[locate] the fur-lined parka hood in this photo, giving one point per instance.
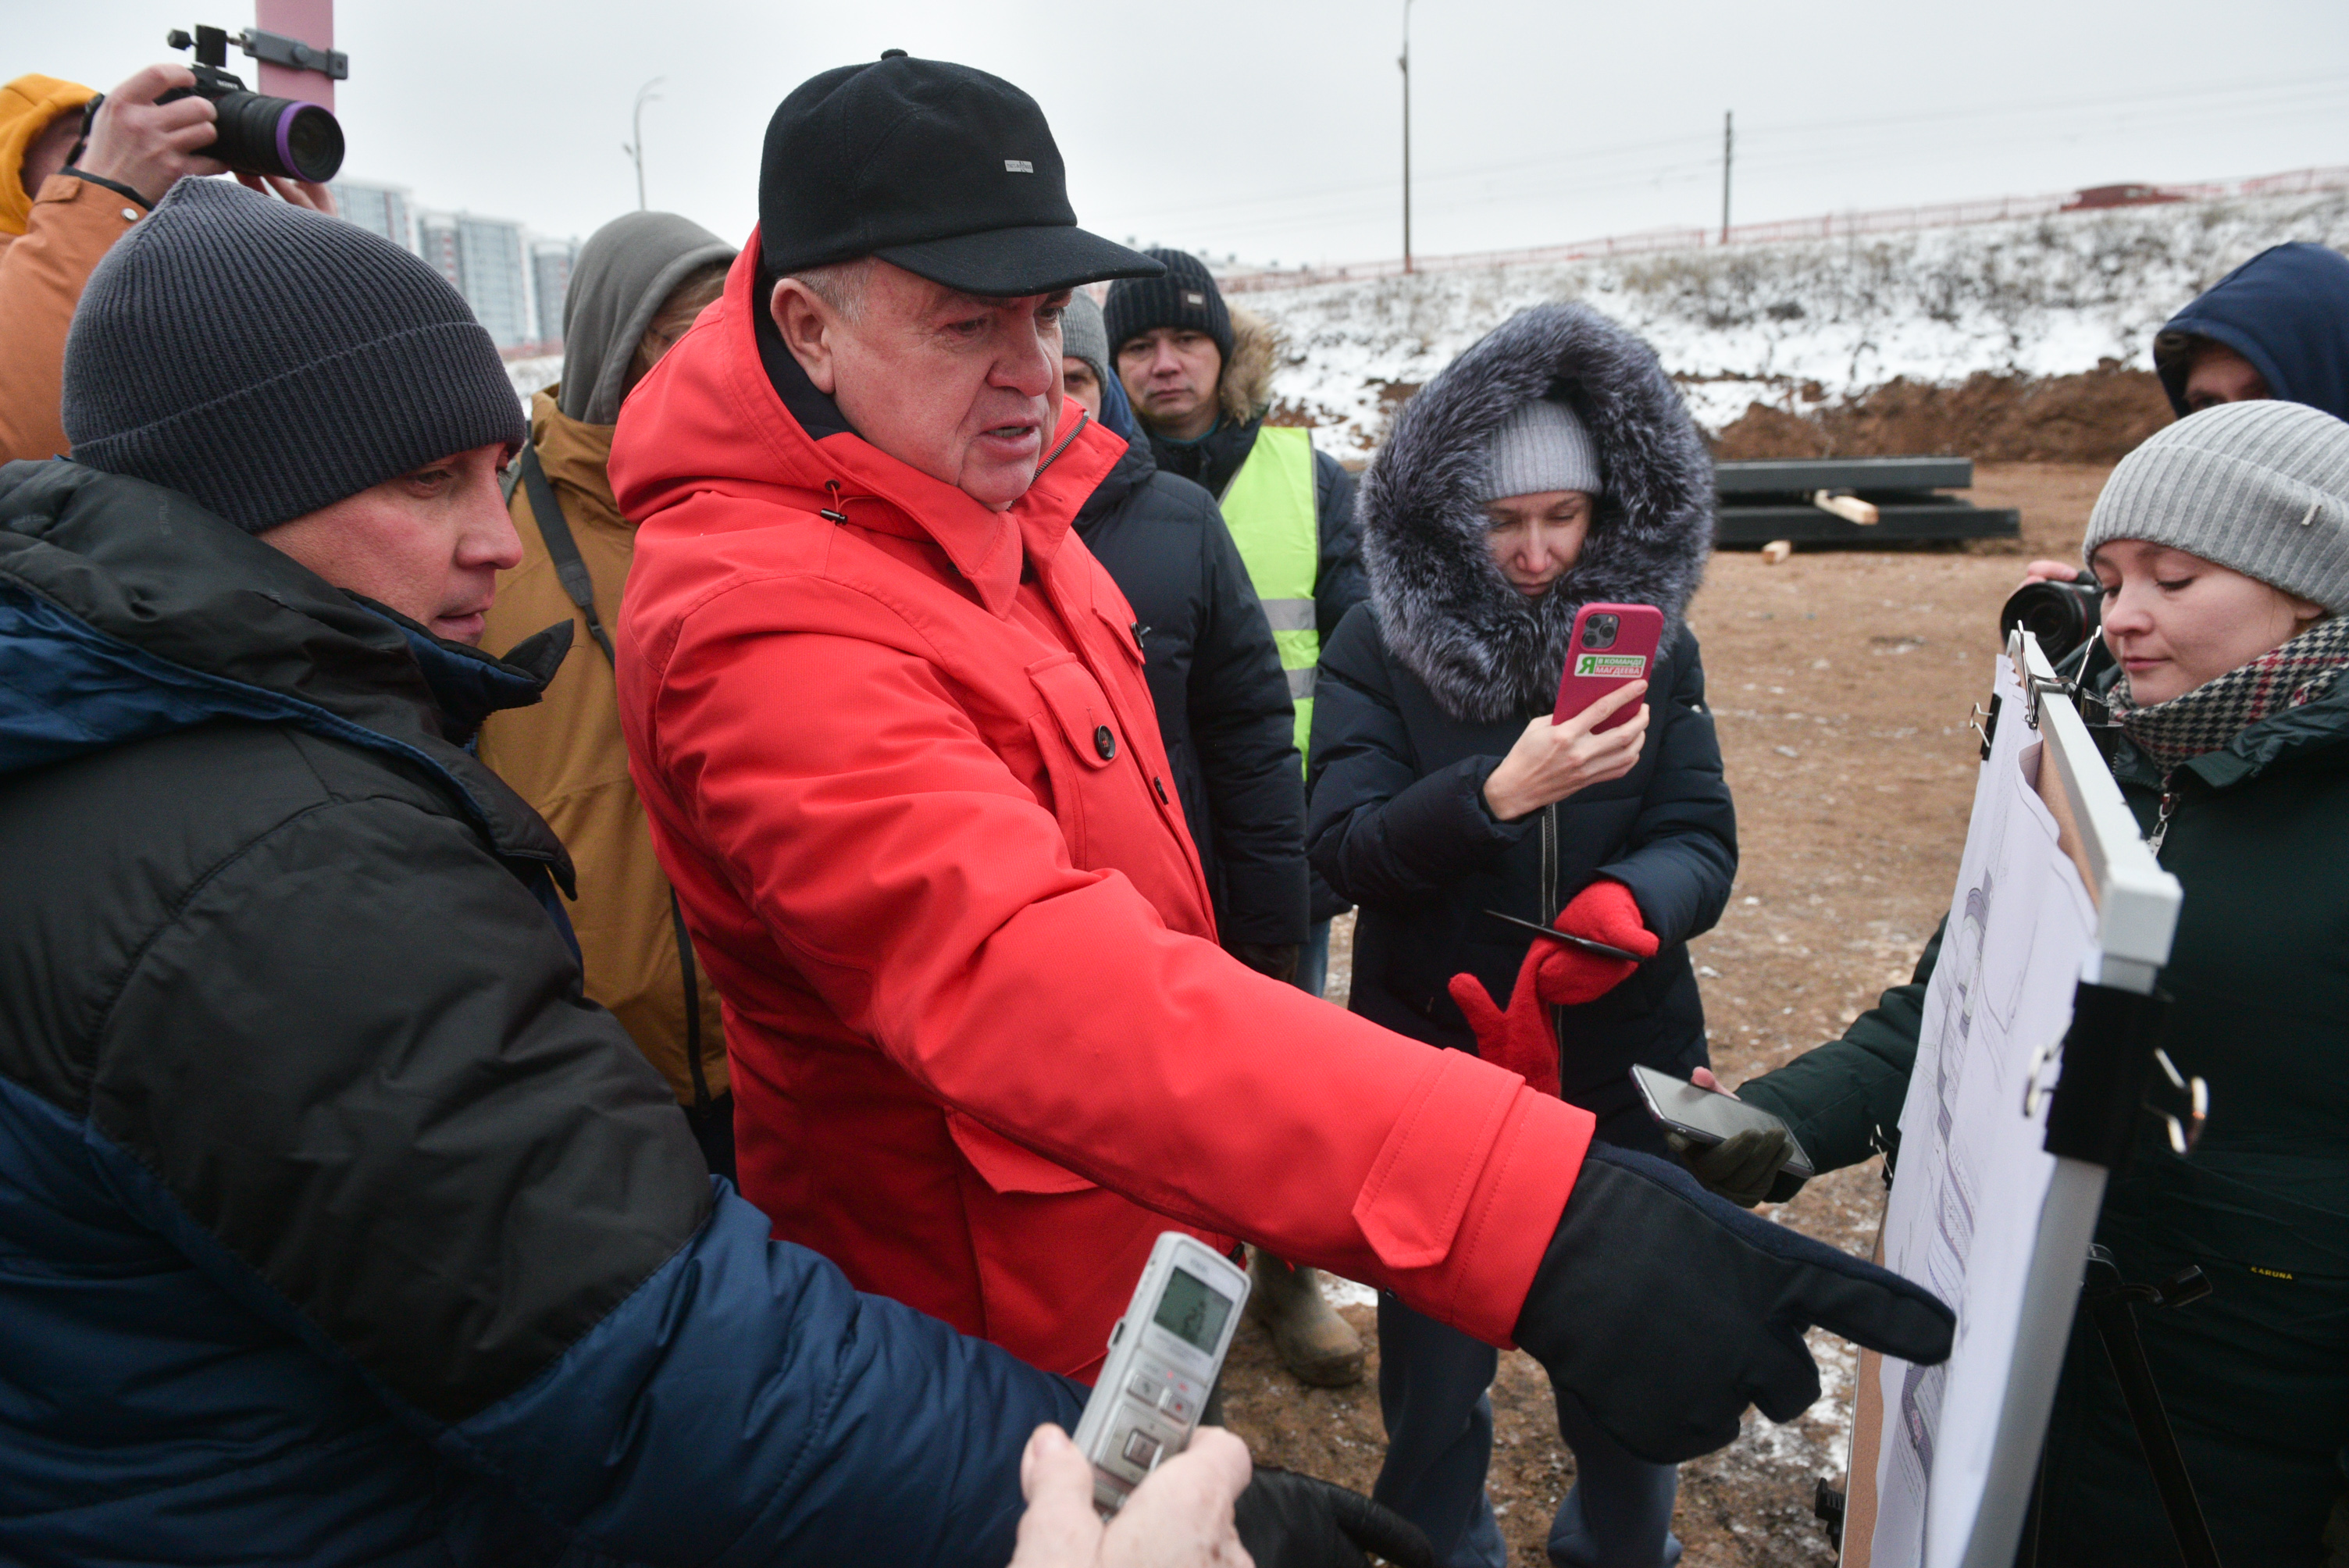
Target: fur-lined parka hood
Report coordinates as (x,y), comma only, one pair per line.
(1444,608)
(1244,391)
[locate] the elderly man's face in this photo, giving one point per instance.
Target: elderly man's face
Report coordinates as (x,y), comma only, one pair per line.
(964,389)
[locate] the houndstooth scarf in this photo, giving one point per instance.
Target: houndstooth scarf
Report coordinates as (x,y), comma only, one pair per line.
(2214,713)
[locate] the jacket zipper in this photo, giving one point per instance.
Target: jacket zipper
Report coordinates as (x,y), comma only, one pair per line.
(1549,917)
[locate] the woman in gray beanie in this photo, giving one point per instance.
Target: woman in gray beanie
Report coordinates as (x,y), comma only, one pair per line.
(1551,466)
(2222,547)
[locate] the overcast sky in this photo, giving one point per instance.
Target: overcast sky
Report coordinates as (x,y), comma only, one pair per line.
(1273,127)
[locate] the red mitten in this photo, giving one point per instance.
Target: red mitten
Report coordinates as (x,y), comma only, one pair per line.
(1519,1039)
(1603,911)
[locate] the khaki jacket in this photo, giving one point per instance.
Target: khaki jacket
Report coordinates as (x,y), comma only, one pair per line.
(42,272)
(566,757)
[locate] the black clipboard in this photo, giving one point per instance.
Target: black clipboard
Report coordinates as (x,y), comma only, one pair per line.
(1583,942)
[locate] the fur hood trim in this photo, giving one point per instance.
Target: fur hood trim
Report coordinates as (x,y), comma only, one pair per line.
(1244,391)
(1444,608)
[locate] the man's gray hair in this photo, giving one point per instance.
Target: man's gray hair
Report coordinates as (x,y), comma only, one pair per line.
(840,284)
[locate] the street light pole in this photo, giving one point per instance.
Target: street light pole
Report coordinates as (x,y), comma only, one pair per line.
(1727,143)
(636,149)
(1404,61)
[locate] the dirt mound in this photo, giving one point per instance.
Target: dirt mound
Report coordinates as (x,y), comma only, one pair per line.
(2094,416)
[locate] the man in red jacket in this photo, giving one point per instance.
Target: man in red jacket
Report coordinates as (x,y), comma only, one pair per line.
(889,722)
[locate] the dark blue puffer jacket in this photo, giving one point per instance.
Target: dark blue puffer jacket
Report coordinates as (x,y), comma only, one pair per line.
(336,1226)
(2286,310)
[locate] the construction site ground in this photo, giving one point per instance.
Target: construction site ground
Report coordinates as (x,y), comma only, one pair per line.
(1842,684)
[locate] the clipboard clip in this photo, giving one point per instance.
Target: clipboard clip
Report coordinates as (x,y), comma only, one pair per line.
(2183,1104)
(1583,942)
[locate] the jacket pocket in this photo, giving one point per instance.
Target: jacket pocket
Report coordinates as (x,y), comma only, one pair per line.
(1004,1165)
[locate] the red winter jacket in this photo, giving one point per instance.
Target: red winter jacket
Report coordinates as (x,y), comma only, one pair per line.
(984,1045)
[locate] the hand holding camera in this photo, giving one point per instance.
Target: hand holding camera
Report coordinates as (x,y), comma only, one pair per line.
(149,132)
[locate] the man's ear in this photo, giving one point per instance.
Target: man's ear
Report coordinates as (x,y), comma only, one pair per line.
(806,324)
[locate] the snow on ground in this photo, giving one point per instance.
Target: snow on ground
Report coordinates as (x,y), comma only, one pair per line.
(1794,324)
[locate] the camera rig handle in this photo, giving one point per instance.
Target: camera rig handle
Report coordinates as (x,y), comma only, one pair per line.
(211,45)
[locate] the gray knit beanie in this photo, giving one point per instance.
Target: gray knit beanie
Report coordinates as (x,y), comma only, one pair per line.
(1540,447)
(1082,335)
(2261,487)
(265,360)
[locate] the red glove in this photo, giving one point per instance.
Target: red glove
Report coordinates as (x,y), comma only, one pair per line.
(1554,976)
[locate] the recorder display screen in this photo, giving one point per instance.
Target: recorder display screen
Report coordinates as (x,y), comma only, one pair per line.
(1191,1312)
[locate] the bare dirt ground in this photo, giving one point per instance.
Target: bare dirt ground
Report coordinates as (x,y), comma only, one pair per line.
(1842,684)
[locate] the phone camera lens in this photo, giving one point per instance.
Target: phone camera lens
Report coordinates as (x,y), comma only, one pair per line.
(1598,632)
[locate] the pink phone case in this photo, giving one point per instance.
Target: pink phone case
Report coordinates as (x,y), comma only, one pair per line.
(1618,650)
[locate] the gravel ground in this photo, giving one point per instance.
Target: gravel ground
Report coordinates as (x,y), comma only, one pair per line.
(1842,684)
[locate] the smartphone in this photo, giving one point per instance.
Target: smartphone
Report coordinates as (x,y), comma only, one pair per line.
(1613,646)
(1707,1116)
(1164,1355)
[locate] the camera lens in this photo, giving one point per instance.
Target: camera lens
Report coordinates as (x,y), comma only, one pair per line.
(1598,632)
(2061,616)
(264,135)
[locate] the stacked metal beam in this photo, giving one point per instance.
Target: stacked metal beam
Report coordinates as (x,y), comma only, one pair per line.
(1784,500)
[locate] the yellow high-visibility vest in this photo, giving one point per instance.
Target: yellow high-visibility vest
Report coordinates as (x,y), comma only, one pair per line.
(1269,507)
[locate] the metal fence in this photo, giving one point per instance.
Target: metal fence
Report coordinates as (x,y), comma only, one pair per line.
(1832,226)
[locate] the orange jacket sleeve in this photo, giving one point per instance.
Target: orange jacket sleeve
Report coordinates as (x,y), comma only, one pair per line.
(41,272)
(928,896)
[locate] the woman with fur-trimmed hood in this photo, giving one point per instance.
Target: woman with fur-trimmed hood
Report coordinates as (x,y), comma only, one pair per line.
(1551,466)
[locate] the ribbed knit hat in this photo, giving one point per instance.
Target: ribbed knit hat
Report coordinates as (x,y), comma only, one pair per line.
(1185,297)
(266,361)
(1542,446)
(2259,487)
(1082,335)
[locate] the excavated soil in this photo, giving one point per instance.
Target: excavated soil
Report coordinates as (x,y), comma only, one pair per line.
(2095,417)
(1842,684)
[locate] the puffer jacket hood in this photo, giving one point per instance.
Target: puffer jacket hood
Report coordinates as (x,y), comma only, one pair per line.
(1443,606)
(625,271)
(128,611)
(28,107)
(2286,310)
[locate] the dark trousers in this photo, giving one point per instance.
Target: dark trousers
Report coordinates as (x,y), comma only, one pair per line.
(1433,1383)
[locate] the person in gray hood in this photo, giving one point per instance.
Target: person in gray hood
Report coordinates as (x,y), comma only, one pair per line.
(641,281)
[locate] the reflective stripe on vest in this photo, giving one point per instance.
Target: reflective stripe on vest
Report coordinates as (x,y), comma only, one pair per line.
(1269,507)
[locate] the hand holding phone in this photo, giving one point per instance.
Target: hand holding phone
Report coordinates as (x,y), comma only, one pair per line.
(1164,1357)
(1739,1150)
(1552,761)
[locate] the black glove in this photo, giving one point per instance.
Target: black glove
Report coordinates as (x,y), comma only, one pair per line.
(1277,959)
(1745,1167)
(1291,1521)
(1667,1311)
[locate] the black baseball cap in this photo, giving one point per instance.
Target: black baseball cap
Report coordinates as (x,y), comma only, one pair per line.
(946,172)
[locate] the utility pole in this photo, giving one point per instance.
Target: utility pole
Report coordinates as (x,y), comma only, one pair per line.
(1728,144)
(636,149)
(1405,63)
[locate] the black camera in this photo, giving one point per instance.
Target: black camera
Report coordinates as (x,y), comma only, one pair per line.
(258,134)
(1599,631)
(2061,616)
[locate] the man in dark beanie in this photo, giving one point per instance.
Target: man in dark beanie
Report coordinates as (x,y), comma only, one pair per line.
(338,1226)
(1200,377)
(890,723)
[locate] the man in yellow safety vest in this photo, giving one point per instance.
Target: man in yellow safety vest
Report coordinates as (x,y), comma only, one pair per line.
(1199,375)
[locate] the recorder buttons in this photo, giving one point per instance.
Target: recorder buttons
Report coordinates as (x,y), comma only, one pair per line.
(1147,1389)
(1141,1450)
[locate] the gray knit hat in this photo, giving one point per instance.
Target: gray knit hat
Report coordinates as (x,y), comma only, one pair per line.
(2261,487)
(1082,335)
(266,361)
(1540,447)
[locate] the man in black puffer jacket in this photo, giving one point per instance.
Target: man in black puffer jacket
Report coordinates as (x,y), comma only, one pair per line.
(1214,676)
